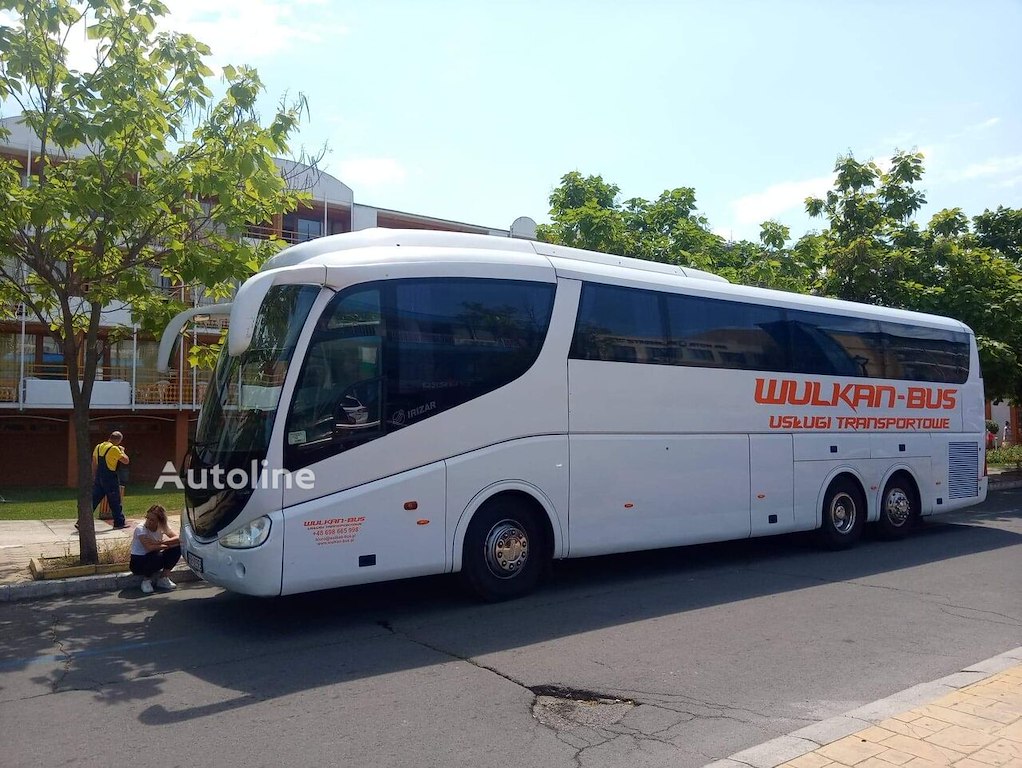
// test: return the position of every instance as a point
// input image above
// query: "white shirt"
(140, 532)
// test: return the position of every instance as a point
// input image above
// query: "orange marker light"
(422, 522)
(760, 495)
(411, 505)
(629, 505)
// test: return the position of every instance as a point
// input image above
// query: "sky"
(473, 111)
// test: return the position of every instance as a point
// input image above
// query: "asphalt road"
(677, 657)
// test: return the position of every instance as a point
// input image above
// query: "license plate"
(194, 562)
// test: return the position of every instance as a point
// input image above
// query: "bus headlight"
(248, 536)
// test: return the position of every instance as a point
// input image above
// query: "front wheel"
(899, 509)
(844, 515)
(505, 551)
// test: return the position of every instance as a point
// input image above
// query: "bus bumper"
(255, 571)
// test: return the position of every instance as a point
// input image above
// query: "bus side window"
(343, 351)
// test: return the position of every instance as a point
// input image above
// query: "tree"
(141, 171)
(1001, 230)
(955, 275)
(771, 263)
(873, 251)
(869, 215)
(586, 214)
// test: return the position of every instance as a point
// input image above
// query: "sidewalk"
(21, 540)
(971, 719)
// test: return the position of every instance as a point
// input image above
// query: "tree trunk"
(86, 522)
(81, 379)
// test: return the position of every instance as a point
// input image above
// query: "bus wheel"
(898, 508)
(504, 550)
(844, 515)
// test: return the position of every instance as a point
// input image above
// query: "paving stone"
(964, 740)
(851, 750)
(812, 760)
(937, 755)
(955, 717)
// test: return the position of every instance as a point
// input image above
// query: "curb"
(83, 585)
(805, 740)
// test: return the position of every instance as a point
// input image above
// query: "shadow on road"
(260, 649)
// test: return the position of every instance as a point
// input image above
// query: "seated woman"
(152, 555)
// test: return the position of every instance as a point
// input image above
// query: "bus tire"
(505, 550)
(844, 515)
(899, 508)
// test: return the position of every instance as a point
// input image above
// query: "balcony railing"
(45, 386)
(288, 236)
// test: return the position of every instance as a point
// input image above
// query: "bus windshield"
(236, 419)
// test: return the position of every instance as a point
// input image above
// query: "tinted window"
(450, 341)
(636, 326)
(622, 325)
(337, 401)
(389, 354)
(926, 354)
(832, 345)
(725, 334)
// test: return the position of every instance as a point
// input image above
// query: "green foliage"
(1002, 231)
(1005, 456)
(585, 213)
(142, 173)
(872, 251)
(992, 426)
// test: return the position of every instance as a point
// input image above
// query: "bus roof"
(369, 238)
(320, 261)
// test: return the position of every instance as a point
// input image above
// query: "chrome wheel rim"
(506, 549)
(843, 513)
(897, 507)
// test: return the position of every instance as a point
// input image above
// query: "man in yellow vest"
(105, 459)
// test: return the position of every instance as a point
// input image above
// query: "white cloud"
(995, 166)
(243, 31)
(237, 31)
(985, 124)
(372, 172)
(778, 199)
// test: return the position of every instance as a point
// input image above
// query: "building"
(156, 412)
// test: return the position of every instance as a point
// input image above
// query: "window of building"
(309, 228)
(51, 360)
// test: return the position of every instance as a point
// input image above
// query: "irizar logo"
(219, 479)
(401, 416)
(416, 412)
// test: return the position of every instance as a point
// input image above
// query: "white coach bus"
(424, 402)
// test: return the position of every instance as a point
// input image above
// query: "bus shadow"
(341, 635)
(252, 649)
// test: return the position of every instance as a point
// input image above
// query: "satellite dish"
(523, 228)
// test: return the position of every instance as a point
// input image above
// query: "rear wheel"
(505, 550)
(844, 515)
(899, 508)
